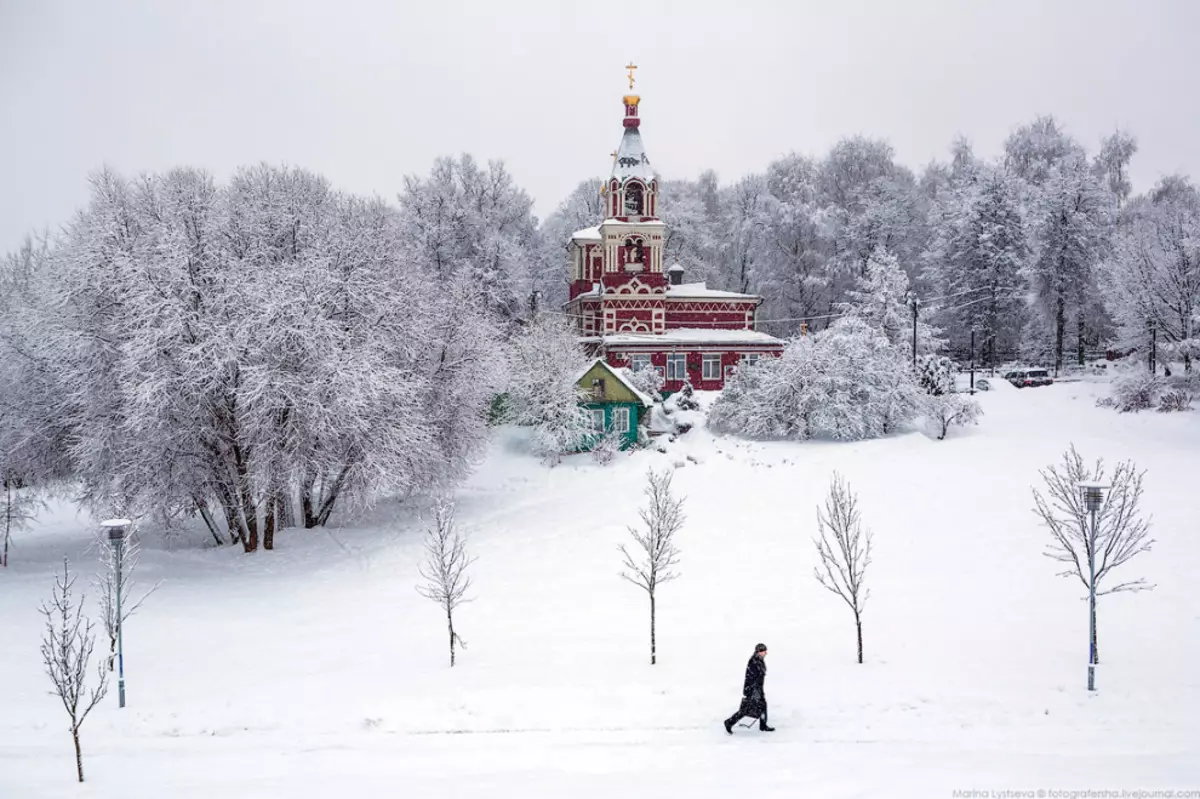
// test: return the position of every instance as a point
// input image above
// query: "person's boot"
(762, 725)
(729, 726)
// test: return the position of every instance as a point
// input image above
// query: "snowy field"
(317, 670)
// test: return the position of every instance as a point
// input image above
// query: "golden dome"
(631, 99)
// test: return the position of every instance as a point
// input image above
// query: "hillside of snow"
(317, 670)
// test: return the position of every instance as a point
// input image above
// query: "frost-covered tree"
(543, 390)
(1111, 164)
(1121, 533)
(1153, 274)
(845, 383)
(464, 219)
(1070, 222)
(18, 507)
(881, 299)
(67, 644)
(656, 555)
(445, 567)
(844, 550)
(944, 411)
(976, 260)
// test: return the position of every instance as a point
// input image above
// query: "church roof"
(692, 335)
(631, 158)
(587, 234)
(702, 290)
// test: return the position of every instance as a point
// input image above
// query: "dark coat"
(754, 700)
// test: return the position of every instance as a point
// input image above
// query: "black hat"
(760, 648)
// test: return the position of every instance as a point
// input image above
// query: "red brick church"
(636, 314)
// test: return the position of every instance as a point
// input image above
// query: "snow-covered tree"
(944, 411)
(445, 567)
(845, 383)
(1112, 164)
(1071, 223)
(882, 300)
(1153, 275)
(844, 550)
(466, 219)
(656, 555)
(976, 260)
(543, 392)
(67, 644)
(18, 507)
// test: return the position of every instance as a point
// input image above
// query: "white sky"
(368, 92)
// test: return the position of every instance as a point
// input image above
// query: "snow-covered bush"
(935, 373)
(1135, 388)
(543, 390)
(845, 383)
(1174, 401)
(685, 400)
(648, 381)
(942, 411)
(607, 447)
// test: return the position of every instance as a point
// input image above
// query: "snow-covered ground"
(317, 670)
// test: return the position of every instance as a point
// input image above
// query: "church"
(635, 314)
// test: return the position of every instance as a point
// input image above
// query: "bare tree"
(445, 567)
(106, 584)
(66, 649)
(1119, 535)
(844, 547)
(657, 554)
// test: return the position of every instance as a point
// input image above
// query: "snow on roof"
(702, 290)
(631, 158)
(587, 234)
(675, 267)
(645, 400)
(694, 335)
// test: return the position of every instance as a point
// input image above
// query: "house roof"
(691, 335)
(622, 379)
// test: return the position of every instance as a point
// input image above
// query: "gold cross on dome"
(614, 155)
(631, 67)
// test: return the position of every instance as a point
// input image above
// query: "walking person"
(754, 700)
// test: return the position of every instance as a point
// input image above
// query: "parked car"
(1028, 378)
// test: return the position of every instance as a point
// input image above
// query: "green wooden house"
(614, 403)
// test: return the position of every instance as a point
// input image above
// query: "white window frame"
(597, 414)
(677, 358)
(620, 420)
(750, 358)
(639, 361)
(706, 360)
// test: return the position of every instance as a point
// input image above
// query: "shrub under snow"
(544, 391)
(846, 383)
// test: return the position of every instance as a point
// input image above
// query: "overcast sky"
(365, 93)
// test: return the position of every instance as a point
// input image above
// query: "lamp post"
(117, 530)
(1093, 500)
(972, 361)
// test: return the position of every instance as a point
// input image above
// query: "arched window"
(633, 199)
(636, 251)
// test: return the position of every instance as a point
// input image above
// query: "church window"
(633, 199)
(677, 367)
(639, 362)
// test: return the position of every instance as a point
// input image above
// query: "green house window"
(597, 420)
(621, 420)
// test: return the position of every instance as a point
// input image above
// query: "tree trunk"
(284, 513)
(1060, 329)
(1095, 637)
(269, 524)
(1082, 333)
(78, 753)
(653, 643)
(450, 624)
(306, 499)
(209, 521)
(858, 627)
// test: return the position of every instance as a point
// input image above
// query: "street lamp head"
(1093, 493)
(117, 528)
